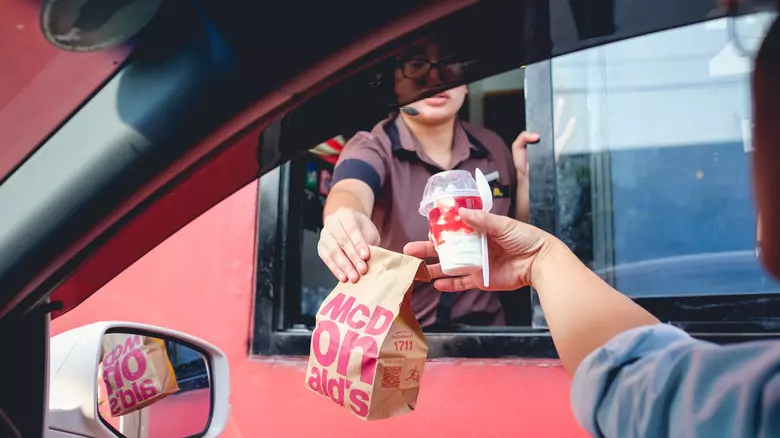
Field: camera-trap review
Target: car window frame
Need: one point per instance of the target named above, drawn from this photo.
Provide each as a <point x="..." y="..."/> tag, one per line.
<point x="720" y="319"/>
<point x="274" y="335"/>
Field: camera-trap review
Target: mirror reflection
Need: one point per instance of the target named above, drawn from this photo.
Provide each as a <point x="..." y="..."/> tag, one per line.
<point x="89" y="25"/>
<point x="152" y="387"/>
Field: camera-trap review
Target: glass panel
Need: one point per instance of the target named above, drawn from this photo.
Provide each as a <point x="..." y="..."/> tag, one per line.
<point x="652" y="146"/>
<point x="316" y="279"/>
<point x="40" y="85"/>
<point x="496" y="103"/>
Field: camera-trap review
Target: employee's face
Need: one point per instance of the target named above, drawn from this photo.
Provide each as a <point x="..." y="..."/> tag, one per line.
<point x="440" y="107"/>
<point x="423" y="70"/>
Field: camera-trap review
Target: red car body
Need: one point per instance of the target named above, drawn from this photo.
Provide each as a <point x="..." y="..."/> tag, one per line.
<point x="200" y="281"/>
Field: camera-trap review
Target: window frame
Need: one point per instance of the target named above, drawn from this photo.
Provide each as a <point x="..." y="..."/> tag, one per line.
<point x="721" y="319"/>
<point x="273" y="335"/>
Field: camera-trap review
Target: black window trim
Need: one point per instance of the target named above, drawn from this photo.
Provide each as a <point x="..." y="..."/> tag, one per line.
<point x="272" y="336"/>
<point x="720" y="319"/>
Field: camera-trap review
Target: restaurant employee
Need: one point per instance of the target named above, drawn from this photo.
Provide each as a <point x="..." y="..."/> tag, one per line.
<point x="380" y="176"/>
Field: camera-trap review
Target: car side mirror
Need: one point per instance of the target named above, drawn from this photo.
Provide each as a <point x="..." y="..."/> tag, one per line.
<point x="131" y="380"/>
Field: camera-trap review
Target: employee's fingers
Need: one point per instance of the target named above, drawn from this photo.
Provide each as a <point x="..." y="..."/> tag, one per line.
<point x="524" y="139"/>
<point x="370" y="235"/>
<point x="420" y="250"/>
<point x="329" y="262"/>
<point x="454" y="284"/>
<point x="336" y="254"/>
<point x="350" y="239"/>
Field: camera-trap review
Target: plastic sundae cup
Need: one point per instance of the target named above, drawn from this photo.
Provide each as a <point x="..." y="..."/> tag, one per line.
<point x="458" y="245"/>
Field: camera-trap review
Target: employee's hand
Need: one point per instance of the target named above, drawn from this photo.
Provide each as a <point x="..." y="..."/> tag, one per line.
<point x="520" y="151"/>
<point x="513" y="247"/>
<point x="344" y="241"/>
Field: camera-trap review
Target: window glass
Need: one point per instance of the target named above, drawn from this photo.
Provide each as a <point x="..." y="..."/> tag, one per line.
<point x="41" y="84"/>
<point x="652" y="150"/>
<point x="496" y="103"/>
<point x="316" y="279"/>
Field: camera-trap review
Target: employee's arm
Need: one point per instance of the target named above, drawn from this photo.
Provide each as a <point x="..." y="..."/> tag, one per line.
<point x="347" y="230"/>
<point x="522" y="192"/>
<point x="352" y="194"/>
<point x="523" y="198"/>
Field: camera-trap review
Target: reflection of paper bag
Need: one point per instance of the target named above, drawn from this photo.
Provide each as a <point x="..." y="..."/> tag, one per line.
<point x="368" y="351"/>
<point x="136" y="372"/>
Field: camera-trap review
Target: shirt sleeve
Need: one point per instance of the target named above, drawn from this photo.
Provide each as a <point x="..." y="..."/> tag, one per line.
<point x="657" y="381"/>
<point x="365" y="159"/>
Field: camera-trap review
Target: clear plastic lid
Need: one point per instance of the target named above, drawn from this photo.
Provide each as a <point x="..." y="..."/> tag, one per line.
<point x="448" y="184"/>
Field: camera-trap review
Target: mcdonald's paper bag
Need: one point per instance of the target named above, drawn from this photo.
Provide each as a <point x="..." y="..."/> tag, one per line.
<point x="367" y="349"/>
<point x="136" y="372"/>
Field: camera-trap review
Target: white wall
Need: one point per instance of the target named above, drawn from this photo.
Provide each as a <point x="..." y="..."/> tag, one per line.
<point x="511" y="80"/>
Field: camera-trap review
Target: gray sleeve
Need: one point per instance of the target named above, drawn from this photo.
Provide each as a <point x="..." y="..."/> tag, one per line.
<point x="657" y="381"/>
<point x="364" y="159"/>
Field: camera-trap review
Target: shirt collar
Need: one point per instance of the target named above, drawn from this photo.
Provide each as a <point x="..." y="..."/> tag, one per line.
<point x="404" y="144"/>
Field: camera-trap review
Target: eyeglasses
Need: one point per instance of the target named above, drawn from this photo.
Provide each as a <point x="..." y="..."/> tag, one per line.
<point x="449" y="68"/>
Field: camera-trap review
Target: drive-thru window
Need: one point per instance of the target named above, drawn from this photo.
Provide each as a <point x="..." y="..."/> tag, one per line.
<point x="643" y="169"/>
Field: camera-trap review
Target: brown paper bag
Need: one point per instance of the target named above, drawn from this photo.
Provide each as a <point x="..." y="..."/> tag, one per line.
<point x="136" y="372"/>
<point x="367" y="349"/>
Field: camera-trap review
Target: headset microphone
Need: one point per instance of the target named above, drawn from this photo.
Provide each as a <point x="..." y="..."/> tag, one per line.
<point x="409" y="111"/>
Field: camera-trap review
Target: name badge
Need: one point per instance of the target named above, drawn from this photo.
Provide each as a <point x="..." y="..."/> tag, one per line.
<point x="499" y="190"/>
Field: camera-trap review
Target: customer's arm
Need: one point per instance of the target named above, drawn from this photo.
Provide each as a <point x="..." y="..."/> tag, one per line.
<point x="582" y="311"/>
<point x="633" y="377"/>
<point x="657" y="381"/>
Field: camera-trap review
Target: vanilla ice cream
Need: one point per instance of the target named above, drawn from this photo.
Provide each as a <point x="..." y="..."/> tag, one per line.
<point x="460" y="253"/>
<point x="459" y="247"/>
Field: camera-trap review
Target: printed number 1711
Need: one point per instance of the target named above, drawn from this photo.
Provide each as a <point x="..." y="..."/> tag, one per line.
<point x="403" y="345"/>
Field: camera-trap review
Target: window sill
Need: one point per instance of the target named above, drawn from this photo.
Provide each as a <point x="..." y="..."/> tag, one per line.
<point x="527" y="344"/>
<point x="440" y="345"/>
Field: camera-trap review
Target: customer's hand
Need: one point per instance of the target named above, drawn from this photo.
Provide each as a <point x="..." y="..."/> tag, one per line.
<point x="344" y="241"/>
<point x="513" y="247"/>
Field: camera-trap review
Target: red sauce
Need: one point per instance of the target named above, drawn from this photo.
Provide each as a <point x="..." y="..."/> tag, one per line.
<point x="444" y="218"/>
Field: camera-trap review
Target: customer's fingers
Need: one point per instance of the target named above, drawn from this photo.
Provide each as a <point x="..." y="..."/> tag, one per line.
<point x="435" y="271"/>
<point x="455" y="284"/>
<point x="420" y="250"/>
<point x="485" y="222"/>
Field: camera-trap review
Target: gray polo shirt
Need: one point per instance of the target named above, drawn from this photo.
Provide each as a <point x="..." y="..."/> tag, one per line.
<point x="391" y="161"/>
